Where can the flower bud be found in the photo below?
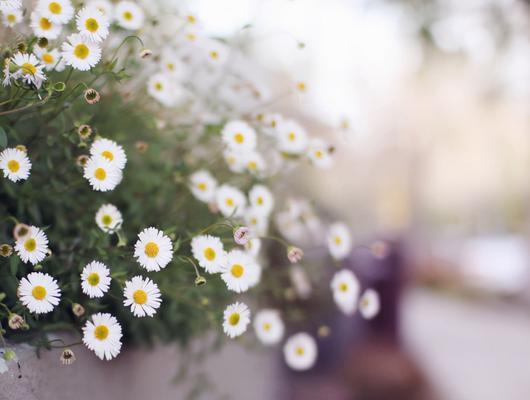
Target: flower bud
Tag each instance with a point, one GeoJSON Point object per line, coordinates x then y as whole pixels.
{"type": "Point", "coordinates": [294, 254]}
{"type": "Point", "coordinates": [15, 321]}
{"type": "Point", "coordinates": [92, 96]}
{"type": "Point", "coordinates": [242, 235]}
{"type": "Point", "coordinates": [6, 250]}
{"type": "Point", "coordinates": [78, 309]}
{"type": "Point", "coordinates": [20, 231]}
{"type": "Point", "coordinates": [67, 357]}
{"type": "Point", "coordinates": [146, 53]}
{"type": "Point", "coordinates": [200, 280]}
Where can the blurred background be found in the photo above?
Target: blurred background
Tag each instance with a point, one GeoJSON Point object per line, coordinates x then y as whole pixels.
{"type": "Point", "coordinates": [427, 103]}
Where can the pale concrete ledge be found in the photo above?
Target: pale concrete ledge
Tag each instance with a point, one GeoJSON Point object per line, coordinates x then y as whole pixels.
{"type": "Point", "coordinates": [138, 374]}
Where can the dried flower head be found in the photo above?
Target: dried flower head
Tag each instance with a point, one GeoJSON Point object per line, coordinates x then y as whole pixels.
{"type": "Point", "coordinates": [294, 254]}
{"type": "Point", "coordinates": [16, 321]}
{"type": "Point", "coordinates": [146, 53]}
{"type": "Point", "coordinates": [242, 235]}
{"type": "Point", "coordinates": [92, 96]}
{"type": "Point", "coordinates": [21, 147]}
{"type": "Point", "coordinates": [141, 146]}
{"type": "Point", "coordinates": [67, 357]}
{"type": "Point", "coordinates": [6, 250]}
{"type": "Point", "coordinates": [323, 331]}
{"type": "Point", "coordinates": [84, 131]}
{"type": "Point", "coordinates": [78, 309]}
{"type": "Point", "coordinates": [20, 231]}
{"type": "Point", "coordinates": [82, 160]}
{"type": "Point", "coordinates": [42, 42]}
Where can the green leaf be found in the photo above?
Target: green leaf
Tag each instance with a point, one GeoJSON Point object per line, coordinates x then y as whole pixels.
{"type": "Point", "coordinates": [3, 138]}
{"type": "Point", "coordinates": [13, 265]}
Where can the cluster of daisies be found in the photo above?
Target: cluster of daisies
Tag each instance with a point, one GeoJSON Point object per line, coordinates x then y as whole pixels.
{"type": "Point", "coordinates": [59, 47]}
{"type": "Point", "coordinates": [189, 65]}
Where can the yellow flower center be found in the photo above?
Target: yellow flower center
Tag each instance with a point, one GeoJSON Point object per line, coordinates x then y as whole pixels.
{"type": "Point", "coordinates": [48, 58]}
{"type": "Point", "coordinates": [260, 200]}
{"type": "Point", "coordinates": [45, 24]}
{"type": "Point", "coordinates": [364, 303]}
{"type": "Point", "coordinates": [191, 19]}
{"type": "Point", "coordinates": [151, 249]}
{"type": "Point", "coordinates": [300, 351]}
{"type": "Point", "coordinates": [292, 136]}
{"type": "Point", "coordinates": [140, 297]}
{"type": "Point", "coordinates": [107, 219]}
{"type": "Point", "coordinates": [30, 244]}
{"type": "Point", "coordinates": [29, 68]}
{"type": "Point", "coordinates": [343, 287]}
{"type": "Point", "coordinates": [202, 186]}
{"type": "Point", "coordinates": [55, 8]}
{"type": "Point", "coordinates": [11, 18]}
{"type": "Point", "coordinates": [127, 15]}
{"type": "Point", "coordinates": [108, 155]}
{"type": "Point", "coordinates": [337, 240]}
{"type": "Point", "coordinates": [233, 319]}
{"type": "Point", "coordinates": [237, 270]}
{"type": "Point", "coordinates": [266, 327]}
{"type": "Point", "coordinates": [318, 154]}
{"type": "Point", "coordinates": [301, 86]}
{"type": "Point", "coordinates": [239, 138]}
{"type": "Point", "coordinates": [81, 51]}
{"type": "Point", "coordinates": [191, 36]}
{"type": "Point", "coordinates": [170, 66]}
{"type": "Point", "coordinates": [101, 332]}
{"type": "Point", "coordinates": [229, 202]}
{"type": "Point", "coordinates": [252, 165]}
{"type": "Point", "coordinates": [100, 174]}
{"type": "Point", "coordinates": [158, 86]}
{"type": "Point", "coordinates": [92, 25]}
{"type": "Point", "coordinates": [214, 54]}
{"type": "Point", "coordinates": [39, 292]}
{"type": "Point", "coordinates": [209, 253]}
{"type": "Point", "coordinates": [93, 279]}
{"type": "Point", "coordinates": [13, 165]}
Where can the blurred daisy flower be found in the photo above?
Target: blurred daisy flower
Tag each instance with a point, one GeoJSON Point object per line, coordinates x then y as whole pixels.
{"type": "Point", "coordinates": [109, 218]}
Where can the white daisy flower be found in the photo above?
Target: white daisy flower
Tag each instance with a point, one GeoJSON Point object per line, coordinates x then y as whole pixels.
{"type": "Point", "coordinates": [236, 319]}
{"type": "Point", "coordinates": [11, 17]}
{"type": "Point", "coordinates": [102, 334]}
{"type": "Point", "coordinates": [269, 326]}
{"type": "Point", "coordinates": [153, 250]}
{"type": "Point", "coordinates": [254, 162]}
{"type": "Point", "coordinates": [57, 11]}
{"type": "Point", "coordinates": [39, 292]}
{"type": "Point", "coordinates": [105, 7]}
{"type": "Point", "coordinates": [95, 279]}
{"type": "Point", "coordinates": [271, 122]}
{"type": "Point", "coordinates": [253, 247]}
{"type": "Point", "coordinates": [203, 186]}
{"type": "Point", "coordinates": [300, 351]}
{"type": "Point", "coordinates": [43, 27]}
{"type": "Point", "coordinates": [102, 174]}
{"type": "Point", "coordinates": [110, 150]}
{"type": "Point", "coordinates": [81, 53]}
{"type": "Point", "coordinates": [230, 200]}
{"type": "Point", "coordinates": [109, 218]}
{"type": "Point", "coordinates": [30, 69]}
{"type": "Point", "coordinates": [129, 15]}
{"type": "Point", "coordinates": [292, 138]}
{"type": "Point", "coordinates": [142, 295]}
{"type": "Point", "coordinates": [345, 288]}
{"type": "Point", "coordinates": [369, 304]}
{"type": "Point", "coordinates": [261, 198]}
{"type": "Point", "coordinates": [15, 164]}
{"type": "Point", "coordinates": [216, 52]}
{"type": "Point", "coordinates": [236, 160]}
{"type": "Point", "coordinates": [240, 271]}
{"type": "Point", "coordinates": [319, 154]}
{"type": "Point", "coordinates": [238, 135]}
{"type": "Point", "coordinates": [209, 252]}
{"type": "Point", "coordinates": [92, 24]}
{"type": "Point", "coordinates": [164, 90]}
{"type": "Point", "coordinates": [32, 247]}
{"type": "Point", "coordinates": [256, 221]}
{"type": "Point", "coordinates": [51, 58]}
{"type": "Point", "coordinates": [339, 241]}
{"type": "Point", "coordinates": [172, 65]}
